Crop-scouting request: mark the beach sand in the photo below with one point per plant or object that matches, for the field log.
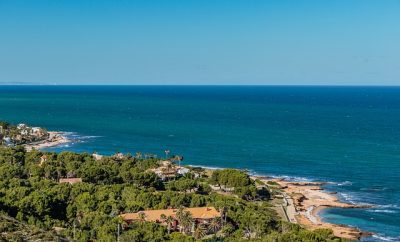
(55, 139)
(309, 199)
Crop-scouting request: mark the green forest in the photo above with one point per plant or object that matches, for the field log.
(35, 206)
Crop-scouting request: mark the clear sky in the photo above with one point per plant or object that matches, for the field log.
(321, 42)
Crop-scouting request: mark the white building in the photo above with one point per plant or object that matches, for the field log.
(7, 141)
(22, 126)
(183, 171)
(97, 156)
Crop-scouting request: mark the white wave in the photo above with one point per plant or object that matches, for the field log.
(77, 138)
(386, 238)
(75, 134)
(394, 206)
(345, 183)
(298, 178)
(83, 137)
(208, 167)
(90, 137)
(381, 211)
(374, 189)
(352, 198)
(74, 138)
(66, 132)
(293, 178)
(377, 208)
(347, 197)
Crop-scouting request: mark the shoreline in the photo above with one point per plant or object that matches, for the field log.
(56, 138)
(304, 200)
(307, 200)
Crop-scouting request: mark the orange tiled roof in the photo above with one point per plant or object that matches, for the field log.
(154, 215)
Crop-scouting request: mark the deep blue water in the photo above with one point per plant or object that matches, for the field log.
(345, 135)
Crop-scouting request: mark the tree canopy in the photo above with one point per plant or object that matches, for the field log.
(32, 197)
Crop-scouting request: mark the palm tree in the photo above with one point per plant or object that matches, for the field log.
(223, 212)
(169, 220)
(180, 217)
(166, 153)
(142, 216)
(179, 159)
(138, 155)
(163, 217)
(185, 220)
(227, 230)
(215, 225)
(200, 231)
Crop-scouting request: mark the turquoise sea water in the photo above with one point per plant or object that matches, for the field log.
(348, 136)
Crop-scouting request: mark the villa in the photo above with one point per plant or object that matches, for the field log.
(119, 156)
(170, 172)
(165, 174)
(97, 157)
(38, 132)
(30, 133)
(200, 215)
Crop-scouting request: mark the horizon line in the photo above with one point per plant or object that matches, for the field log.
(204, 85)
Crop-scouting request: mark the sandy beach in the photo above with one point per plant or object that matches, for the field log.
(55, 139)
(307, 199)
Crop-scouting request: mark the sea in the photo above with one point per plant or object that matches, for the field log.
(348, 137)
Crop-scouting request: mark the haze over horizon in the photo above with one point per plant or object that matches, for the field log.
(205, 42)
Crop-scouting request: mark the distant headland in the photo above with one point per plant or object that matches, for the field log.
(30, 137)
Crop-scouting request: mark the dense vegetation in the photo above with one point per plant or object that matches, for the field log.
(31, 197)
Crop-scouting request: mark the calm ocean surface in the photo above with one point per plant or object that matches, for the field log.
(349, 136)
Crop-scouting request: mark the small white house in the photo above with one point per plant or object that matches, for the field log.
(97, 156)
(7, 141)
(22, 126)
(183, 171)
(23, 129)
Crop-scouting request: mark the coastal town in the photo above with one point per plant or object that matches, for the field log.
(11, 135)
(30, 137)
(202, 210)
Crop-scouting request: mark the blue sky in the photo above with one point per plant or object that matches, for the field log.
(332, 42)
